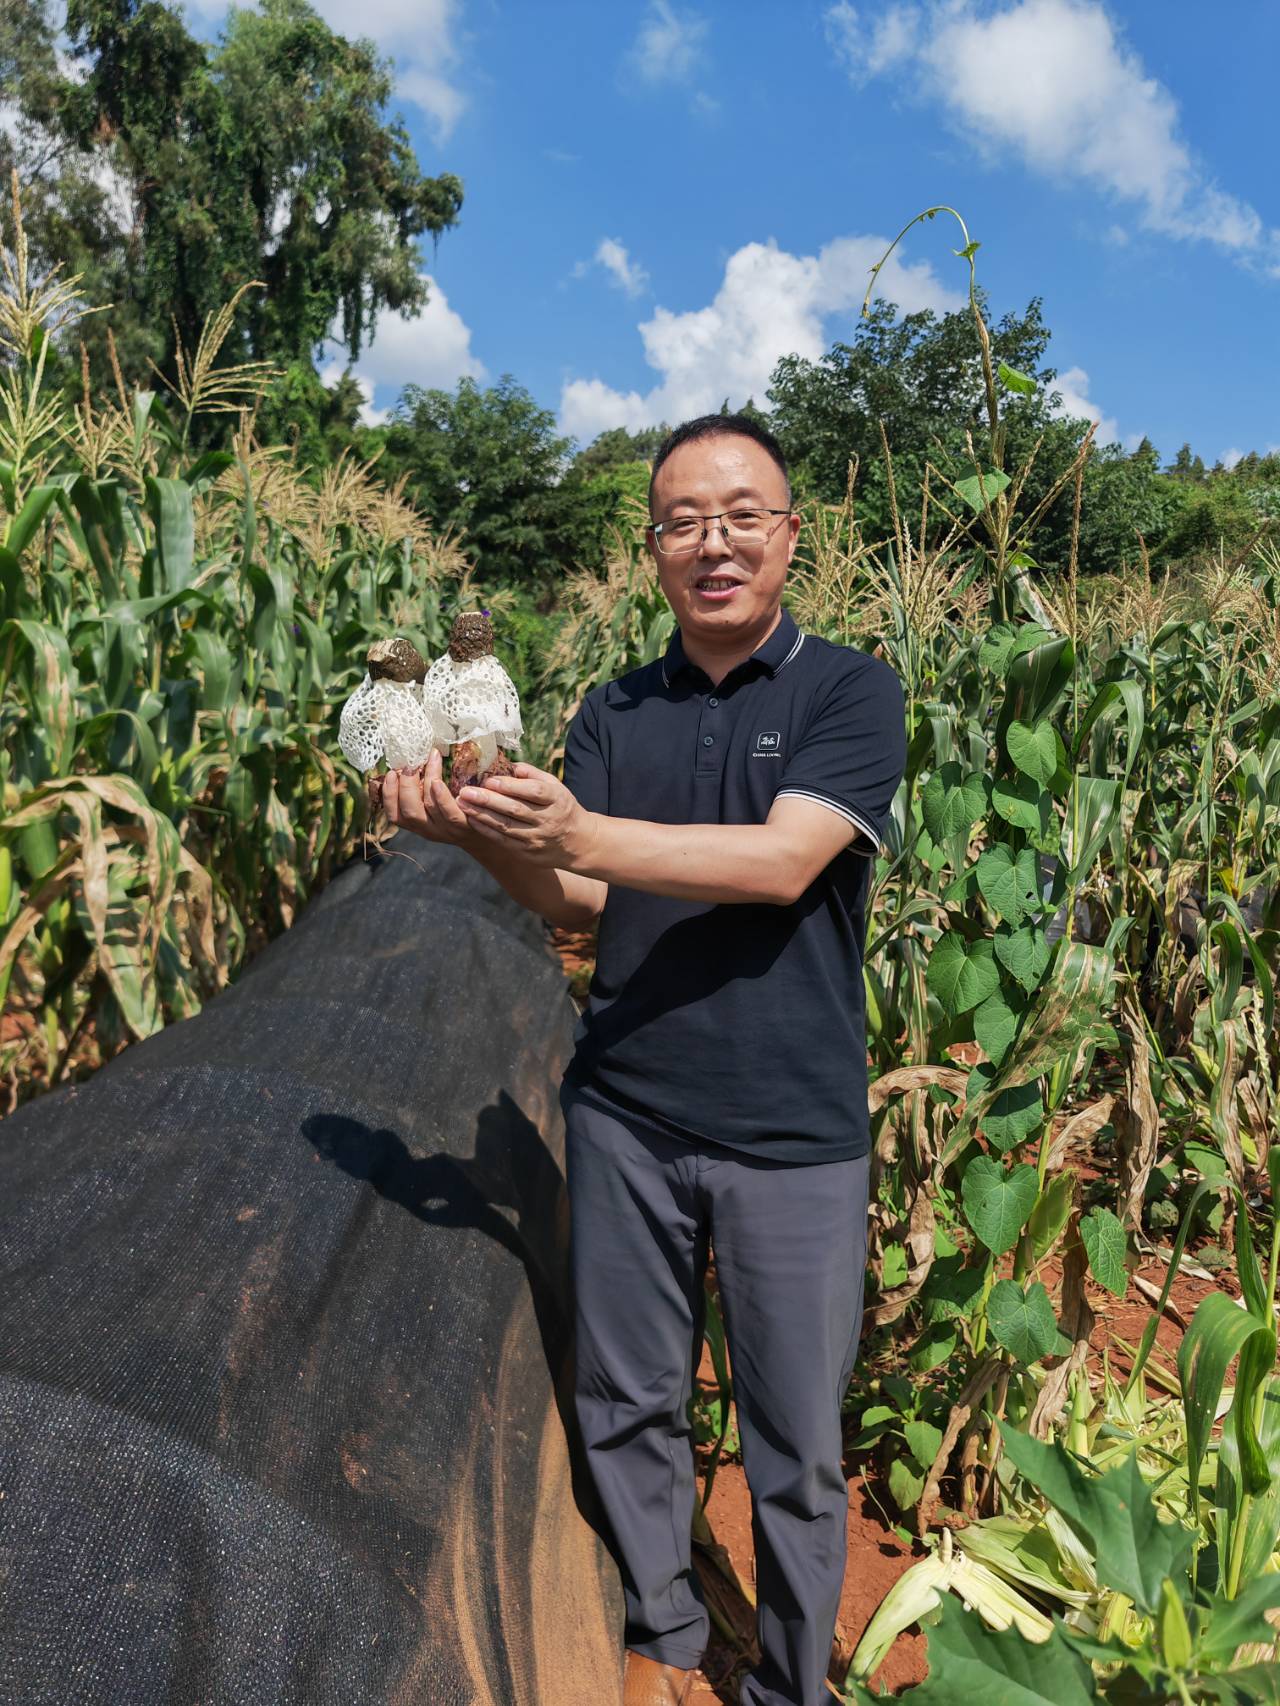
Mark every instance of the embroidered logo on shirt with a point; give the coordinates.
(768, 744)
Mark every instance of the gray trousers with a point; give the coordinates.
(790, 1249)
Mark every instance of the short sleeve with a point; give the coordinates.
(853, 751)
(586, 774)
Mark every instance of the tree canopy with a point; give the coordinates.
(170, 172)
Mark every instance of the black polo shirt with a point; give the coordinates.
(740, 1024)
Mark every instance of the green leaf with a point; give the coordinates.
(1009, 882)
(960, 973)
(1230, 1623)
(1021, 801)
(1022, 1322)
(1218, 1331)
(997, 1200)
(169, 506)
(951, 801)
(1262, 1514)
(1012, 1116)
(968, 1661)
(26, 524)
(995, 1023)
(932, 1348)
(1104, 1240)
(1033, 748)
(951, 1289)
(1023, 952)
(1113, 1514)
(980, 489)
(924, 1440)
(904, 1484)
(1016, 381)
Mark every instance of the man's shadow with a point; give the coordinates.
(511, 1168)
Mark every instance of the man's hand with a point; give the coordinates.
(427, 807)
(531, 813)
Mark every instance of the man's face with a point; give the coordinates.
(723, 589)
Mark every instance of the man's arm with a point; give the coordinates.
(561, 897)
(772, 862)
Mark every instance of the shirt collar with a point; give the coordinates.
(781, 646)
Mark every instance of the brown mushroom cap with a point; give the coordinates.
(397, 659)
(471, 636)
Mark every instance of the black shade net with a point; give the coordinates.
(285, 1351)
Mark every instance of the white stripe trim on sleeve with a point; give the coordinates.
(833, 806)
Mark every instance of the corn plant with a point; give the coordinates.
(177, 634)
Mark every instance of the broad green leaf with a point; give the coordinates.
(1022, 1322)
(932, 1348)
(1022, 382)
(1021, 801)
(1113, 1514)
(1247, 1685)
(1023, 952)
(1007, 640)
(905, 1484)
(1229, 1623)
(1033, 748)
(997, 1200)
(981, 489)
(1104, 1241)
(951, 801)
(960, 973)
(995, 1024)
(924, 1440)
(951, 1289)
(968, 1661)
(1012, 1116)
(1009, 882)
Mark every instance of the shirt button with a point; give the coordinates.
(708, 740)
(713, 701)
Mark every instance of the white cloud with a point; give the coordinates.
(1073, 388)
(433, 351)
(669, 44)
(612, 255)
(770, 303)
(1229, 458)
(420, 36)
(1053, 80)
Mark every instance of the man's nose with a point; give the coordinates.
(715, 544)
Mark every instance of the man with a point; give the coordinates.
(720, 812)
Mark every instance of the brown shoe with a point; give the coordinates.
(648, 1683)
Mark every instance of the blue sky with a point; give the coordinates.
(663, 198)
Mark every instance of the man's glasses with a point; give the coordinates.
(739, 526)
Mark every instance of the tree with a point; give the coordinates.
(268, 156)
(617, 447)
(492, 463)
(921, 376)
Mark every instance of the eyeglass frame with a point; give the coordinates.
(656, 527)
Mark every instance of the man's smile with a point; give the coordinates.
(717, 589)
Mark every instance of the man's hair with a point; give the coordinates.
(718, 426)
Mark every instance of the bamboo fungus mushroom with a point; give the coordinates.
(386, 717)
(468, 690)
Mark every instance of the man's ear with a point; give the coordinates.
(793, 532)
